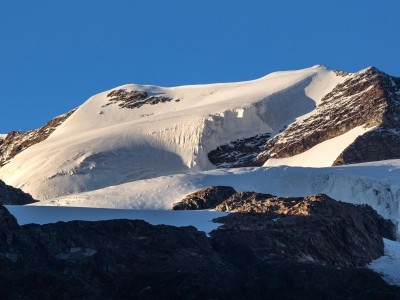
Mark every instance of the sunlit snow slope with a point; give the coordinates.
(102, 144)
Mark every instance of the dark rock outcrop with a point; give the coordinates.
(316, 228)
(381, 143)
(240, 153)
(132, 259)
(368, 98)
(16, 142)
(121, 259)
(134, 99)
(205, 199)
(13, 196)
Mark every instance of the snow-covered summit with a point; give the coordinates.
(310, 117)
(140, 131)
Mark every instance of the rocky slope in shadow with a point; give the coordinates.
(13, 196)
(269, 248)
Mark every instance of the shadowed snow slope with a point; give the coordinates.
(139, 132)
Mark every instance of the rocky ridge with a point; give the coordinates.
(134, 99)
(13, 196)
(16, 141)
(369, 98)
(331, 225)
(207, 198)
(240, 153)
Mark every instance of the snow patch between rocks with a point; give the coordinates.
(323, 154)
(389, 264)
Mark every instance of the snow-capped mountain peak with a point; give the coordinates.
(137, 132)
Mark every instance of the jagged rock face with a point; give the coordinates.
(134, 99)
(16, 142)
(342, 234)
(240, 153)
(13, 196)
(315, 228)
(378, 144)
(369, 98)
(205, 199)
(123, 259)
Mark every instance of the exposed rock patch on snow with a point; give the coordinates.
(134, 99)
(239, 153)
(15, 142)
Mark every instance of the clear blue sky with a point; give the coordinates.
(55, 54)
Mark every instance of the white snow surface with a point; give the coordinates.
(202, 219)
(389, 264)
(98, 146)
(2, 136)
(322, 154)
(376, 184)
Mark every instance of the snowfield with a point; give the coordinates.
(376, 184)
(100, 146)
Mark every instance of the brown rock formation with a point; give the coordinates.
(205, 199)
(316, 228)
(16, 142)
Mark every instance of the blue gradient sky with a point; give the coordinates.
(55, 54)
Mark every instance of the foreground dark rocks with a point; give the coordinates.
(108, 260)
(280, 250)
(13, 196)
(315, 228)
